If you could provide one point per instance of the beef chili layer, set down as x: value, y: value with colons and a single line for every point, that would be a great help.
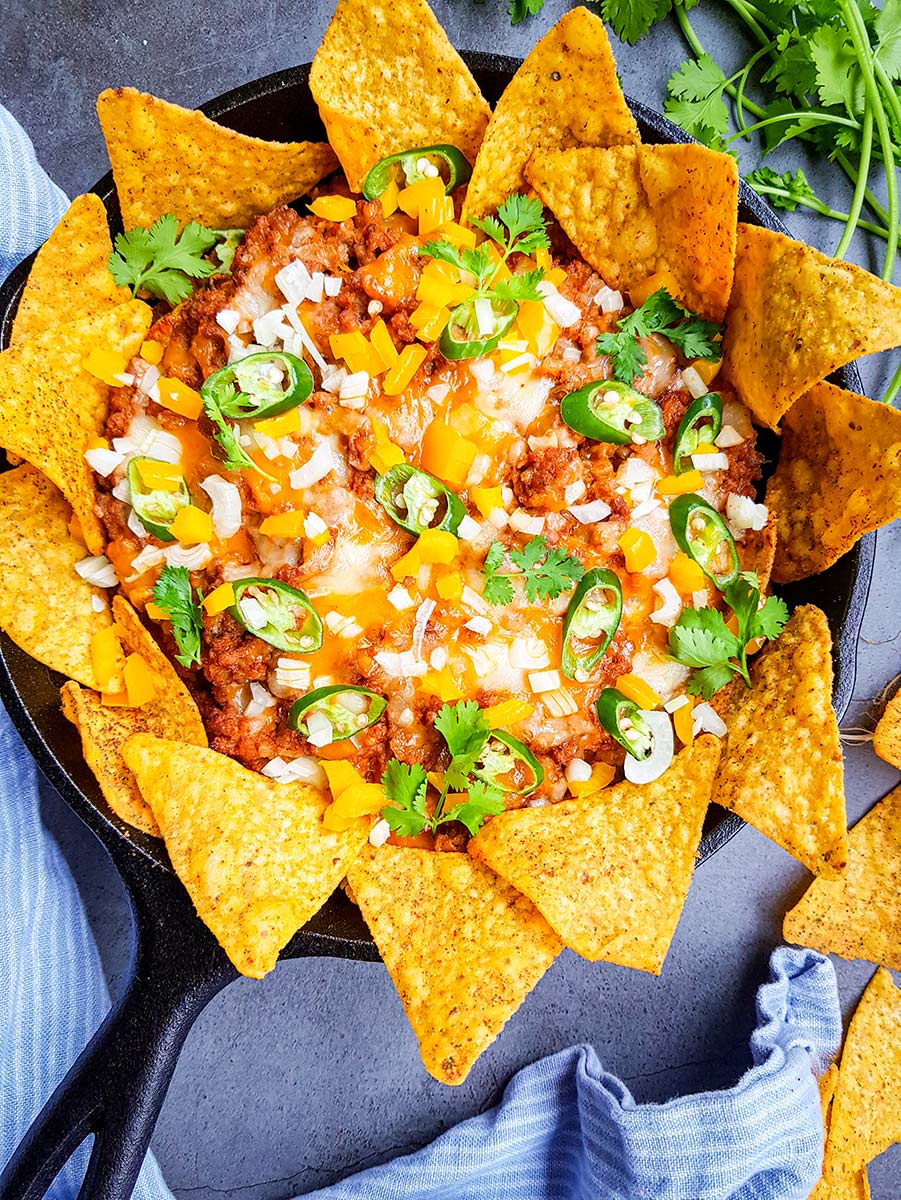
x: 348, y: 297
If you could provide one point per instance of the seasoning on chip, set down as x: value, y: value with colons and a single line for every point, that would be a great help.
x: 887, y: 734
x: 168, y: 159
x: 796, y: 316
x: 104, y: 729
x: 565, y: 94
x: 409, y: 86
x: 782, y: 771
x: 70, y: 277
x: 858, y: 915
x: 45, y: 375
x: 840, y: 1186
x: 758, y: 551
x: 839, y: 476
x: 252, y: 853
x: 45, y: 606
x: 610, y: 872
x: 636, y: 212
x: 463, y: 948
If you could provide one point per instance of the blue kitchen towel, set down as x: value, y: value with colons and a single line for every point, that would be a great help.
x: 564, y: 1130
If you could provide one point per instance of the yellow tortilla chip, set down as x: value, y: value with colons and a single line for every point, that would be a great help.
x: 168, y: 159
x: 45, y: 607
x: 839, y: 476
x: 253, y: 854
x: 637, y: 211
x: 565, y: 94
x: 610, y: 872
x: 859, y: 915
x: 887, y: 734
x: 50, y: 406
x: 796, y: 316
x: 782, y: 770
x: 70, y: 278
x: 104, y: 729
x: 386, y: 78
x: 757, y: 551
x: 853, y: 1186
x: 463, y: 948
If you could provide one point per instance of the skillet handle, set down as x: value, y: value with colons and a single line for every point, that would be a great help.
x: 117, y: 1085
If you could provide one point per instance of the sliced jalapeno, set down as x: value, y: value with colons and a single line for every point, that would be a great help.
x: 509, y: 764
x: 259, y: 386
x: 347, y: 708
x: 610, y: 411
x: 704, y: 536
x: 702, y: 422
x: 405, y: 167
x: 417, y: 501
x: 622, y: 719
x: 278, y: 614
x: 591, y: 621
x: 156, y: 508
x: 476, y: 326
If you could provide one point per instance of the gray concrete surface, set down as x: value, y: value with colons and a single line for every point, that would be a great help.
x: 290, y: 1083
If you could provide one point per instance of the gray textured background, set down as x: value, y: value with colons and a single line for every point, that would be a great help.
x: 288, y: 1084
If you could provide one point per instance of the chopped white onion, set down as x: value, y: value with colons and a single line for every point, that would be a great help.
x: 99, y: 603
x: 319, y: 728
x: 308, y: 344
x: 292, y: 673
x: 295, y: 770
x: 705, y: 719
x: 694, y: 383
x: 668, y: 612
x: 332, y: 285
x: 588, y: 514
x: 544, y: 681
x: 562, y: 311
x: 316, y: 288
x: 150, y: 556
x: 652, y: 767
x: 193, y: 558
x: 473, y: 600
x: 228, y: 319
x: 253, y: 613
x: 149, y: 379
x: 699, y: 598
x: 332, y: 379
x: 522, y: 522
x: 528, y: 654
x: 574, y: 491
x: 314, y: 526
x: 675, y: 704
x: 578, y: 771
x: 480, y: 625
x: 608, y: 300
x: 270, y: 328
x: 401, y: 666
x: 104, y: 462
x: 728, y: 436
x: 743, y: 513
x: 635, y: 471
x: 710, y: 462
x: 320, y: 463
x: 484, y: 316
x: 468, y: 529
x: 97, y: 570
x: 259, y: 702
x: 438, y: 658
x: 293, y: 281
x: 400, y: 598
x: 134, y: 523
x: 438, y: 392
x: 226, y: 501
x: 354, y: 386
x: 423, y: 615
x: 645, y: 508
x: 571, y: 354
x: 482, y: 371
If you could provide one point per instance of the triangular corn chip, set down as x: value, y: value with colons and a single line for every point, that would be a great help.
x: 565, y: 94
x: 796, y: 316
x: 782, y: 770
x: 638, y: 211
x: 253, y: 854
x: 50, y: 406
x: 853, y: 1186
x: 757, y: 551
x: 610, y: 872
x: 859, y: 915
x: 839, y: 476
x: 386, y: 78
x: 104, y: 728
x: 887, y: 734
x: 70, y: 277
x: 168, y: 159
x: 45, y: 607
x: 463, y: 948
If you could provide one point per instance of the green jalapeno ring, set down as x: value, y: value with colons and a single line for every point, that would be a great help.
x: 692, y: 431
x: 379, y: 176
x: 520, y: 754
x: 280, y: 630
x: 256, y: 398
x: 461, y: 337
x: 702, y: 533
x: 622, y: 719
x: 320, y: 697
x: 155, y: 508
x: 417, y: 490
x: 583, y: 623
x: 599, y: 410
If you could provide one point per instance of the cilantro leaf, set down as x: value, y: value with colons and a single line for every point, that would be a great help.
x: 888, y: 33
x: 405, y: 786
x: 838, y: 76
x: 518, y: 10
x: 498, y: 588
x: 631, y: 19
x: 162, y: 262
x: 701, y: 638
x: 483, y: 801
x: 695, y: 100
x: 547, y: 572
x: 520, y: 287
x: 787, y: 190
x: 769, y: 621
x: 173, y: 594
x: 523, y: 216
x: 465, y: 730
x: 627, y: 355
x: 689, y: 333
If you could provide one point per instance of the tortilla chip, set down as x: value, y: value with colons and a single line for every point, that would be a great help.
x: 796, y: 316
x: 782, y: 770
x: 853, y: 1186
x: 859, y: 915
x: 168, y: 159
x: 610, y: 872
x: 252, y: 853
x: 463, y: 948
x: 70, y: 279
x: 104, y: 729
x: 887, y: 734
x: 637, y: 211
x: 45, y: 607
x: 386, y: 79
x: 839, y: 477
x: 50, y: 406
x: 757, y: 551
x: 565, y: 94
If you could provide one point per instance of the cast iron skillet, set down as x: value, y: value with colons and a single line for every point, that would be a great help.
x: 116, y: 1087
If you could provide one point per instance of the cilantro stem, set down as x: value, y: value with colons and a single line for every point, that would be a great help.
x: 866, y: 150
x: 697, y: 46
x: 812, y: 114
x: 894, y: 386
x: 816, y: 205
x: 749, y: 15
x: 740, y: 90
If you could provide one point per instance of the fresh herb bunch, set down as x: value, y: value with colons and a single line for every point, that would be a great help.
x: 545, y: 572
x: 164, y: 263
x: 173, y: 593
x: 689, y: 333
x: 701, y: 639
x: 466, y: 733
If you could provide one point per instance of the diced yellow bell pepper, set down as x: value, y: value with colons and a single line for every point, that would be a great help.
x: 219, y: 599
x: 635, y: 689
x: 556, y: 276
x: 660, y: 279
x: 432, y: 546
x: 116, y: 699
x: 601, y: 774
x: 357, y: 352
x: 679, y: 485
x: 439, y: 284
x: 105, y: 365
x: 386, y: 454
x: 340, y: 775
x: 503, y: 271
x: 706, y: 448
x: 284, y: 525
x: 411, y: 359
x: 107, y: 659
x: 429, y: 321
x: 381, y: 342
x: 192, y: 526
x: 159, y: 476
x: 543, y: 258
x: 458, y: 235
x: 638, y: 548
x: 358, y: 800
x: 450, y: 586
x: 685, y: 574
x: 388, y: 199
x: 683, y: 723
x: 441, y: 684
x: 508, y: 712
x: 140, y: 683
x: 179, y: 398
x: 283, y: 425
x: 97, y: 443
x: 334, y: 208
x: 156, y: 613
x: 152, y: 352
x: 435, y: 213
x: 707, y: 369
x: 411, y: 199
x: 446, y: 454
x: 537, y: 326
x: 487, y: 499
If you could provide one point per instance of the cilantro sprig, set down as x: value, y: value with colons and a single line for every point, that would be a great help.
x: 702, y: 640
x: 164, y: 263
x: 690, y: 334
x: 173, y: 593
x: 546, y: 571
